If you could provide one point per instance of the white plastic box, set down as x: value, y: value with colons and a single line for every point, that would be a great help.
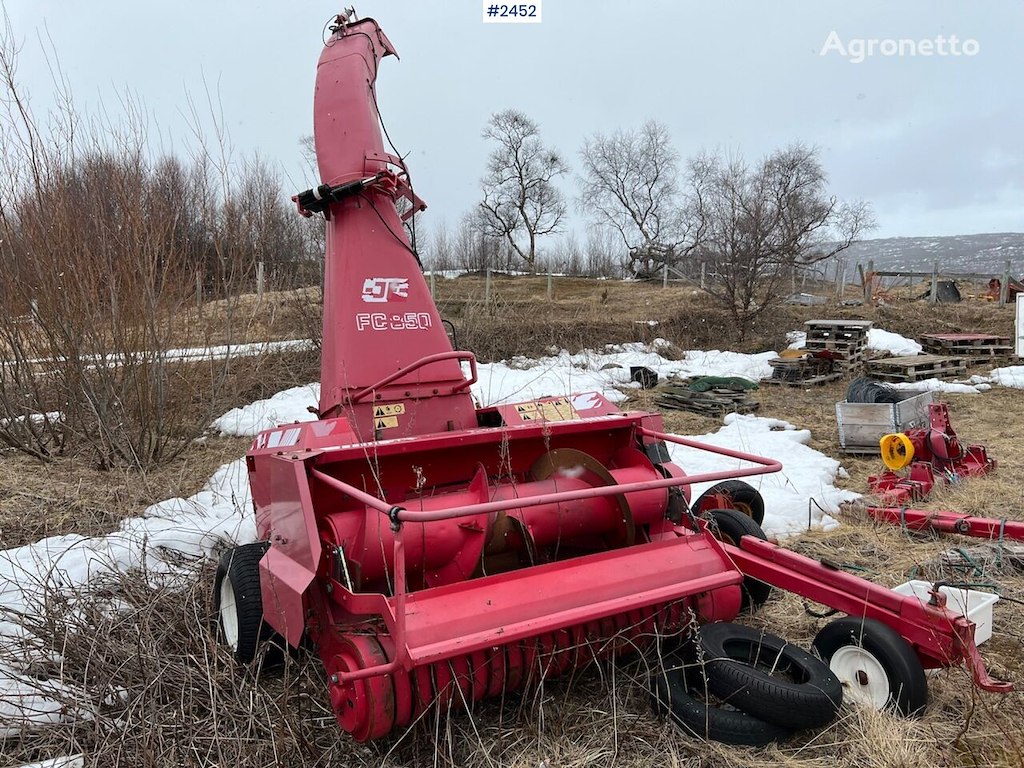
x: 975, y: 605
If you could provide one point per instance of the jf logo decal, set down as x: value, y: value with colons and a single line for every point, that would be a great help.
x: 379, y: 290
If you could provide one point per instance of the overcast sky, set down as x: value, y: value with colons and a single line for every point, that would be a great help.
x: 935, y: 143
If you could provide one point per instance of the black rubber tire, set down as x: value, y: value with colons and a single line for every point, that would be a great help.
x: 907, y: 683
x: 240, y: 566
x: 768, y: 677
x: 745, y: 497
x: 680, y: 693
x: 732, y: 525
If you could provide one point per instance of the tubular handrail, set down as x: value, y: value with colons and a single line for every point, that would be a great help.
x: 402, y: 515
x: 456, y: 355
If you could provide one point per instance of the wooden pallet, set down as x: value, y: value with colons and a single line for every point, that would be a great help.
x: 856, y: 326
x: 800, y: 371
x: 810, y: 381
x: 713, y: 402
x: 968, y: 344
x: 831, y: 336
x: 839, y: 345
x: 915, y: 367
x: 845, y: 355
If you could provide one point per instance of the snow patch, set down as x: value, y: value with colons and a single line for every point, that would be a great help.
x: 285, y: 407
x: 1010, y: 376
x: 893, y: 343
x: 166, y: 541
x: 938, y: 385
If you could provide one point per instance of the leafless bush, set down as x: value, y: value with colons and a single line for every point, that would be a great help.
x: 108, y: 250
x: 142, y: 681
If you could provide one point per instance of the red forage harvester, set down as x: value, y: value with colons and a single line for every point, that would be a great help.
x: 431, y: 550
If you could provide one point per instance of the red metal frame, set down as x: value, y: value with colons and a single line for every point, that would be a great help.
x: 939, y: 636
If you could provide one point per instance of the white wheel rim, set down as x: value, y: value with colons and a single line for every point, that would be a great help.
x: 228, y: 614
x: 862, y: 676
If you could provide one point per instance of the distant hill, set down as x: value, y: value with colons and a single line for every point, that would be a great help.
x: 958, y: 253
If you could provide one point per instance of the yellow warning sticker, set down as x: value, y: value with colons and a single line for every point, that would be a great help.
x: 553, y: 410
x: 390, y: 409
x: 385, y: 422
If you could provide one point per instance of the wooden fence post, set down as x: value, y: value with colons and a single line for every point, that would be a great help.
x: 934, y: 295
x: 1004, y: 291
x: 487, y: 289
x: 433, y: 287
x: 199, y: 291
x: 664, y: 275
x: 703, y: 269
x: 259, y: 279
x: 550, y: 285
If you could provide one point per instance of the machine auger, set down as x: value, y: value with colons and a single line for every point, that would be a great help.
x: 434, y: 551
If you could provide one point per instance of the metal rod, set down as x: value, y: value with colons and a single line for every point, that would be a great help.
x: 765, y: 466
x: 419, y: 364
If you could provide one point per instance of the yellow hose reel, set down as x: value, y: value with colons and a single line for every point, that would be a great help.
x: 897, y: 450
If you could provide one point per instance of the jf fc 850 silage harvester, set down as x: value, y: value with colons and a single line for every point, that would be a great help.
x: 431, y: 550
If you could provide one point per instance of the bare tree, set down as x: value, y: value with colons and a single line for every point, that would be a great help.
x: 520, y: 201
x: 630, y: 182
x: 754, y: 225
x: 604, y: 253
x: 438, y: 253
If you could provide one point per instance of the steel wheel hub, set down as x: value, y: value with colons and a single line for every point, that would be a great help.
x: 864, y: 678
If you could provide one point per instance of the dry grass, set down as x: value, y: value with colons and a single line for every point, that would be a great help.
x: 157, y: 690
x: 182, y: 701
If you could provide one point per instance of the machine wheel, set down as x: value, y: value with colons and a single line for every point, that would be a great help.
x: 239, y: 604
x: 875, y: 664
x: 744, y: 497
x: 682, y: 694
x: 731, y: 526
x: 769, y: 677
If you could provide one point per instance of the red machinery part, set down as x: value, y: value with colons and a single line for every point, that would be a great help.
x: 438, y: 553
x: 934, y: 453
x: 950, y: 522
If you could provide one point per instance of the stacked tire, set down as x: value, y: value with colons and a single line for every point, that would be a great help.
x: 738, y: 685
